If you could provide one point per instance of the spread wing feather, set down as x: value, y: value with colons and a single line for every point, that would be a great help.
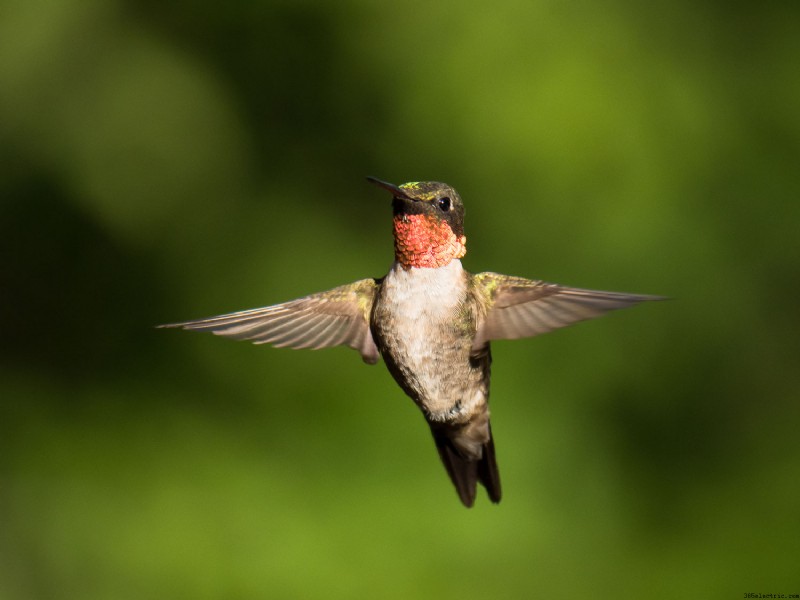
x: 521, y: 308
x: 338, y: 317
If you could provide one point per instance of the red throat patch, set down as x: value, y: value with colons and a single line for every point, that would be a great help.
x: 423, y: 241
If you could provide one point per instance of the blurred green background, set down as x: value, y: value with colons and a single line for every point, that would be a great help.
x: 168, y: 161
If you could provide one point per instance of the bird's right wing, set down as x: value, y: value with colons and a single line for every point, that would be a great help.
x: 338, y: 317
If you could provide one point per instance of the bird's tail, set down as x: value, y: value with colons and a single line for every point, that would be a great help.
x: 467, y: 452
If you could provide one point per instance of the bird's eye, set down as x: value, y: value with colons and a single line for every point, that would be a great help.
x: 444, y: 203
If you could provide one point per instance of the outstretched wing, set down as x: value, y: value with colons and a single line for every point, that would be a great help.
x: 338, y: 317
x: 520, y: 307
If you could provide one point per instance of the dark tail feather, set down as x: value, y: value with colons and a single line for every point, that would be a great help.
x: 488, y: 474
x: 465, y: 473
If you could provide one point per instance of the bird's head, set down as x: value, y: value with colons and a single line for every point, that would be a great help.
x: 428, y: 223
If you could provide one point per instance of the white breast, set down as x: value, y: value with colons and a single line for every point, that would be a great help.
x: 416, y: 317
x: 429, y: 294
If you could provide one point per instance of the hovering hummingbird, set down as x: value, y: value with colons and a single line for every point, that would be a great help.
x: 432, y: 322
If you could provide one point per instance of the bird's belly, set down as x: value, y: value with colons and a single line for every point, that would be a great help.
x: 424, y: 332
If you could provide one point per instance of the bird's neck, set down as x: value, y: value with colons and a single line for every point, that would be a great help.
x: 425, y: 242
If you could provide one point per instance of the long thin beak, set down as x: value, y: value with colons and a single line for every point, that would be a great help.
x: 396, y: 191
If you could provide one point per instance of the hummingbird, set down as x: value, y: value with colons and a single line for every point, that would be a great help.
x: 432, y: 322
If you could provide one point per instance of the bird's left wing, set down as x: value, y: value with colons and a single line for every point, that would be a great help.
x: 338, y: 317
x: 519, y: 308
